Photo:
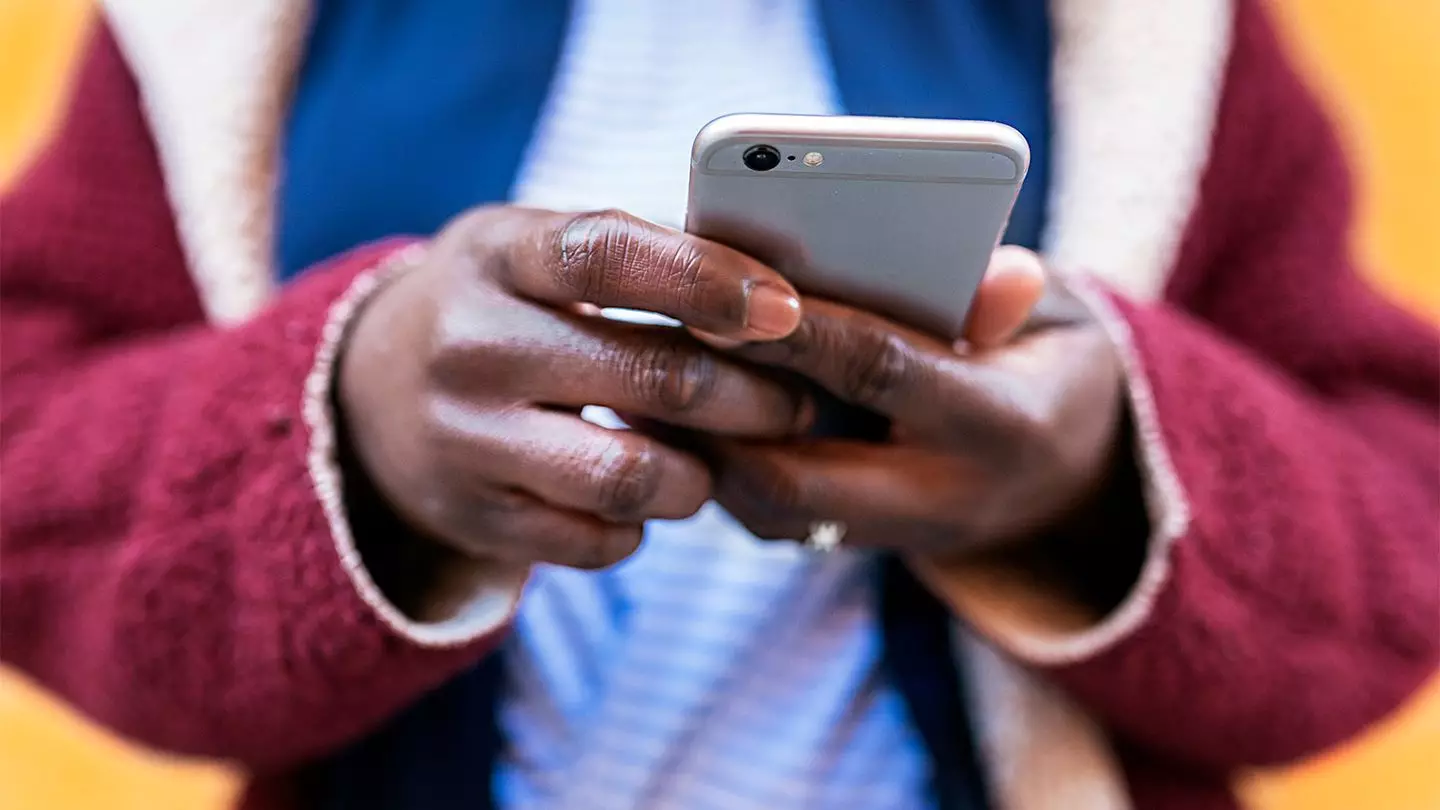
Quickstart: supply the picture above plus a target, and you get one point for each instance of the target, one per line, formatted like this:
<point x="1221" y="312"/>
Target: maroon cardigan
<point x="168" y="569"/>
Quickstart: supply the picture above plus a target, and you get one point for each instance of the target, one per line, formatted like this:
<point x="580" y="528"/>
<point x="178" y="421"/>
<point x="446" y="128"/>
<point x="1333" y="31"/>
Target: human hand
<point x="993" y="441"/>
<point x="461" y="382"/>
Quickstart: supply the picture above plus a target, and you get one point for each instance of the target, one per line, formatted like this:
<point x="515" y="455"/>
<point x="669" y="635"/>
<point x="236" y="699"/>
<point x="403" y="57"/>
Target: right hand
<point x="461" y="382"/>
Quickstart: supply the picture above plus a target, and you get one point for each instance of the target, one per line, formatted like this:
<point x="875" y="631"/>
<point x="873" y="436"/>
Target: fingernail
<point x="772" y="311"/>
<point x="1011" y="260"/>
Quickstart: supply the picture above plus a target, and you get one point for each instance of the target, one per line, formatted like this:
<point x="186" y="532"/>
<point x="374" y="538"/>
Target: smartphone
<point x="897" y="216"/>
<point x="894" y="215"/>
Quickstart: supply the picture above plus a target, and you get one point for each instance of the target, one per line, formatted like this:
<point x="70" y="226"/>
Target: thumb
<point x="1012" y="286"/>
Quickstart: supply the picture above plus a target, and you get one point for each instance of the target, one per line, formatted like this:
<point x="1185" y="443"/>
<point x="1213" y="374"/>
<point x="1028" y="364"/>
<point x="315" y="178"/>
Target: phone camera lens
<point x="761" y="158"/>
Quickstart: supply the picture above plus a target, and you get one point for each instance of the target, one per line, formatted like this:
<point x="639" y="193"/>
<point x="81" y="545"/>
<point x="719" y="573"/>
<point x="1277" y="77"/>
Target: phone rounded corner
<point x="715" y="134"/>
<point x="1013" y="144"/>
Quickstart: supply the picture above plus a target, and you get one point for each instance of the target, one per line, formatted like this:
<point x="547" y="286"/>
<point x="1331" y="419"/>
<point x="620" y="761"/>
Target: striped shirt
<point x="710" y="670"/>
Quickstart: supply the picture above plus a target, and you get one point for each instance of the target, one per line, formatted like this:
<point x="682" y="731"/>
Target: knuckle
<point x="681" y="263"/>
<point x="687" y="268"/>
<point x="477" y="222"/>
<point x="444" y="452"/>
<point x="438" y="436"/>
<point x="686" y="272"/>
<point x="672" y="376"/>
<point x="451" y="493"/>
<point x="486" y="371"/>
<point x="875" y="367"/>
<point x="480" y="341"/>
<point x="590" y="252"/>
<point x="451" y="363"/>
<point x="479" y="239"/>
<point x="626" y="480"/>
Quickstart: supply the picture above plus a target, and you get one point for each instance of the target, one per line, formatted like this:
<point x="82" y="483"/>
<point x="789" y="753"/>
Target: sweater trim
<point x="1136" y="89"/>
<point x="215" y="81"/>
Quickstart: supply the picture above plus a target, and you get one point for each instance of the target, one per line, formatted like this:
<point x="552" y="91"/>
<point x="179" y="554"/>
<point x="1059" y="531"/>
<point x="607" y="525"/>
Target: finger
<point x="612" y="259"/>
<point x="618" y="475"/>
<point x="510" y="526"/>
<point x="779" y="489"/>
<point x="565" y="360"/>
<point x="662" y="373"/>
<point x="1012" y="287"/>
<point x="863" y="359"/>
<point x="981" y="402"/>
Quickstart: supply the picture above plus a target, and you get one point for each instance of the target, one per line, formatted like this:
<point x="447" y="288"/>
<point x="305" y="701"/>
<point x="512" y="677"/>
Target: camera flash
<point x="813" y="159"/>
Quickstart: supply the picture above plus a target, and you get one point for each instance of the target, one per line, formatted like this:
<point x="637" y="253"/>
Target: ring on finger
<point x="825" y="535"/>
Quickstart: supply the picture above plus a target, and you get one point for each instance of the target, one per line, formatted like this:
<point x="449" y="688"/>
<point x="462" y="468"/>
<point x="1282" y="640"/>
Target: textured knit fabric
<point x="168" y="571"/>
<point x="203" y="608"/>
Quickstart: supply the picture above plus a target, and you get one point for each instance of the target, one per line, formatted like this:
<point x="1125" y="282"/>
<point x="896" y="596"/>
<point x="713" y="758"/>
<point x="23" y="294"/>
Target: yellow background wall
<point x="1378" y="62"/>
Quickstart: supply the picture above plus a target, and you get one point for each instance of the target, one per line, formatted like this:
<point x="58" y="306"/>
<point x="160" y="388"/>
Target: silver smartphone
<point x="895" y="215"/>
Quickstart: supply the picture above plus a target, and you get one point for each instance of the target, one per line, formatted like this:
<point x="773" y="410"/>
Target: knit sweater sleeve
<point x="1287" y="422"/>
<point x="178" y="563"/>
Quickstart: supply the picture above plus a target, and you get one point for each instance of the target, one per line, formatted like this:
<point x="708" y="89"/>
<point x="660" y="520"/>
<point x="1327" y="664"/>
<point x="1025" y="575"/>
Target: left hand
<point x="997" y="439"/>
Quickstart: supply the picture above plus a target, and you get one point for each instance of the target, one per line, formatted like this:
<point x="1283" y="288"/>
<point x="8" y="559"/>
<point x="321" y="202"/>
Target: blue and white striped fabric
<point x="710" y="670"/>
